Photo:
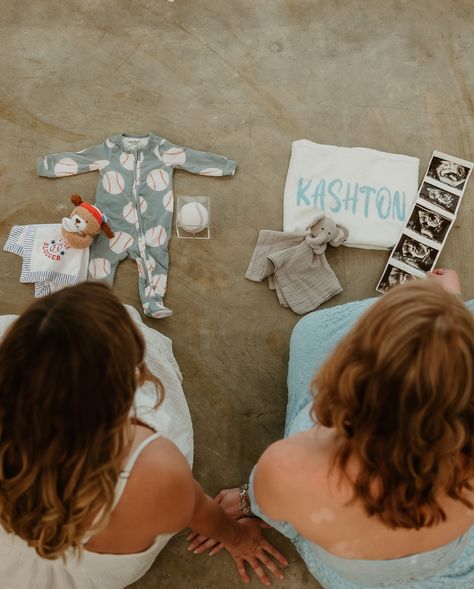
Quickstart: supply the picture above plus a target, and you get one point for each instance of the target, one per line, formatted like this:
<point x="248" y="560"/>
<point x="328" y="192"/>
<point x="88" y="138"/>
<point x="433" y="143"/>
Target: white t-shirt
<point x="370" y="192"/>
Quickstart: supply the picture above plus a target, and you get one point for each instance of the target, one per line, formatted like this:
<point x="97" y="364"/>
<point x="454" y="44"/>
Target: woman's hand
<point x="229" y="500"/>
<point x="448" y="279"/>
<point x="253" y="548"/>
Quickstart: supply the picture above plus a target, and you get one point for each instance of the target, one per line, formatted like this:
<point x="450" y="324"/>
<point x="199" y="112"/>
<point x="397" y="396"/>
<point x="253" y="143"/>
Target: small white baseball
<point x="99" y="165"/>
<point x="174" y="156"/>
<point x="121" y="242"/>
<point x="155" y="236"/>
<point x="66" y="167"/>
<point x="158" y="180"/>
<point x="193" y="217"/>
<point x="99" y="268"/>
<point x="113" y="182"/>
<point x="211" y="172"/>
<point x="127" y="161"/>
<point x="168" y="201"/>
<point x="130" y="212"/>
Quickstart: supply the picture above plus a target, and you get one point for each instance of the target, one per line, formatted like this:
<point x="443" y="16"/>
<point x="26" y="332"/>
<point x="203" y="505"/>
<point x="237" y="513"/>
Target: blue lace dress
<point x="448" y="567"/>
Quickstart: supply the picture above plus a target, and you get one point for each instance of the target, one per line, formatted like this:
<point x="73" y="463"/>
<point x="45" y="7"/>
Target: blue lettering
<point x="367" y="190"/>
<point x="337" y="207"/>
<point x="380" y="201"/>
<point x="319" y="193"/>
<point x="398" y="201"/>
<point x="301" y="195"/>
<point x="354" y="198"/>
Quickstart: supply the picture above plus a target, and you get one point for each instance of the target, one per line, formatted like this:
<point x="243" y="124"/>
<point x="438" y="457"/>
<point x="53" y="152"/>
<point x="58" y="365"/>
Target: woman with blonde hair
<point x="96" y="448"/>
<point x="373" y="482"/>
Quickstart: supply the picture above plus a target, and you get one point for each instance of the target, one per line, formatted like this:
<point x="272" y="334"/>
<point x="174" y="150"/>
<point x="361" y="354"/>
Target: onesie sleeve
<point x="204" y="163"/>
<point x="70" y="163"/>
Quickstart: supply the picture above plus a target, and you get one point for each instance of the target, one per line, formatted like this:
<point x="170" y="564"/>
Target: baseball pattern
<point x="120" y="242"/>
<point x="141" y="269"/>
<point x="168" y="201"/>
<point x="99" y="268"/>
<point x="99" y="165"/>
<point x="66" y="167"/>
<point x="155" y="236"/>
<point x="157" y="286"/>
<point x="130" y="211"/>
<point x="150" y="264"/>
<point x="144" y="179"/>
<point x="127" y="161"/>
<point x="158" y="180"/>
<point x="211" y="172"/>
<point x="113" y="182"/>
<point x="174" y="156"/>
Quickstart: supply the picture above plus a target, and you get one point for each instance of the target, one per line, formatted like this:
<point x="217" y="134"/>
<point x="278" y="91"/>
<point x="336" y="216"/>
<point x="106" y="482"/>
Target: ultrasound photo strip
<point x="431" y="219"/>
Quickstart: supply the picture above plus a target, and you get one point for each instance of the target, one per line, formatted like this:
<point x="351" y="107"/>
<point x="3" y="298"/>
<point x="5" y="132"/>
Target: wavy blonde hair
<point x="69" y="368"/>
<point x="399" y="391"/>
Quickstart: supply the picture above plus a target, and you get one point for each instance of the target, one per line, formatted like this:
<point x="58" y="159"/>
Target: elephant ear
<point x="343" y="234"/>
<point x="314" y="221"/>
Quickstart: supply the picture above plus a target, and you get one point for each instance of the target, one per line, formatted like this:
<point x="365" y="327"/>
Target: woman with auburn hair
<point x="95" y="449"/>
<point x="373" y="482"/>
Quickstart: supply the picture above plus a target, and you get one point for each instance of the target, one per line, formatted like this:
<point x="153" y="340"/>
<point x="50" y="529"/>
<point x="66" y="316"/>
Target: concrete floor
<point x="245" y="79"/>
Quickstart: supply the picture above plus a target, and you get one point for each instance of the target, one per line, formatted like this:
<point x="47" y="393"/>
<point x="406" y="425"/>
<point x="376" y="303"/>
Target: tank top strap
<point x="126" y="472"/>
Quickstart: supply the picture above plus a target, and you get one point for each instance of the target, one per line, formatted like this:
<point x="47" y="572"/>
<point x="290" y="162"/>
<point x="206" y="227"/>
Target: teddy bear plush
<point x="83" y="224"/>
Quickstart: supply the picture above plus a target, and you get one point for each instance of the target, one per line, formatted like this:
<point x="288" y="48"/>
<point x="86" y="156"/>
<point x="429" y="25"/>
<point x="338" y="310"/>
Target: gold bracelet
<point x="244" y="504"/>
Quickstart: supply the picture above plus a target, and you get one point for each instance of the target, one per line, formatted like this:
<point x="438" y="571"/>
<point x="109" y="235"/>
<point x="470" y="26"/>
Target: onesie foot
<point x="156" y="310"/>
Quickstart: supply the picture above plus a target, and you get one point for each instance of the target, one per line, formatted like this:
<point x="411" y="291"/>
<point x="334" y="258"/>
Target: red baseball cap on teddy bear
<point x="93" y="210"/>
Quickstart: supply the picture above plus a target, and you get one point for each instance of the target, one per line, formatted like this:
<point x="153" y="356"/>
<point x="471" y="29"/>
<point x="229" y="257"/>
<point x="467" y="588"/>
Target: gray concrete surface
<point x="244" y="78"/>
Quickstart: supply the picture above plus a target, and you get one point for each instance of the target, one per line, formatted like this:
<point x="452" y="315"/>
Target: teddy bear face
<point x="81" y="221"/>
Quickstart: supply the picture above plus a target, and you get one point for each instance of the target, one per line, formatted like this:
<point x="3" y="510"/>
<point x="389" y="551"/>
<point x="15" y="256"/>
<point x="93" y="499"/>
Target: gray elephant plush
<point x="325" y="231"/>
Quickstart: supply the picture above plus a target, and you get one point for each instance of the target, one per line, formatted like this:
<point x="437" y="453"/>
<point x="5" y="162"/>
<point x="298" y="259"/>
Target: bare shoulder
<point x="287" y="467"/>
<point x="159" y="498"/>
<point x="161" y="480"/>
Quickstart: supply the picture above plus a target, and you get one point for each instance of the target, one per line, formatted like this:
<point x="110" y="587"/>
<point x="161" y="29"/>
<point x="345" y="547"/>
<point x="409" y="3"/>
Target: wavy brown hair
<point x="69" y="367"/>
<point x="399" y="391"/>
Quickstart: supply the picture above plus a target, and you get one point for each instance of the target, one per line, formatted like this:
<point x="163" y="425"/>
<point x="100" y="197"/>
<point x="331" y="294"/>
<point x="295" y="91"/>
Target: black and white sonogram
<point x="393" y="276"/>
<point x="414" y="253"/>
<point x="448" y="172"/>
<point x="439" y="197"/>
<point x="428" y="223"/>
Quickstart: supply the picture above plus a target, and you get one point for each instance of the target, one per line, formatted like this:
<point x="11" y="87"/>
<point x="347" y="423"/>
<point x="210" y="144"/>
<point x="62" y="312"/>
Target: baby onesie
<point x="135" y="191"/>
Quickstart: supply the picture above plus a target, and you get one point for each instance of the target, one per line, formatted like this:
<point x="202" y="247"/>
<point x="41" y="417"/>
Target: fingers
<point x="263" y="524"/>
<point x="190" y="537"/>
<point x="259" y="571"/>
<point x="201" y="544"/>
<point x="239" y="563"/>
<point x="216" y="549"/>
<point x="206" y="545"/>
<point x="281" y="558"/>
<point x="271" y="566"/>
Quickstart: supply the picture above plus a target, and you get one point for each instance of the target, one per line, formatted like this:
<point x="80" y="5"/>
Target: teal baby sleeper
<point x="135" y="191"/>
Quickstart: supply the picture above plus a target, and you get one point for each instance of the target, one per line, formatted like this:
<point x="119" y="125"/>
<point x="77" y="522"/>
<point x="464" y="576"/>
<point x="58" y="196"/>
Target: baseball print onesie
<point x="135" y="191"/>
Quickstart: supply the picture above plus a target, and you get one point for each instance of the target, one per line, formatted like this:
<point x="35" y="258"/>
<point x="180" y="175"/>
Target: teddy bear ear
<point x="76" y="199"/>
<point x="107" y="230"/>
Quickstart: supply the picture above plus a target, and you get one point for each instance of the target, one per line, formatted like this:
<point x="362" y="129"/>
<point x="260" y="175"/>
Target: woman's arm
<point x="181" y="502"/>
